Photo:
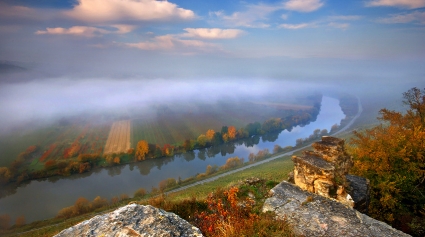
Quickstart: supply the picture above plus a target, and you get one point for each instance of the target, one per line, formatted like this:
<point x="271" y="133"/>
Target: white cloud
<point x="85" y="31"/>
<point x="294" y="26"/>
<point x="410" y="4"/>
<point x="171" y="42"/>
<point x="253" y="17"/>
<point x="127" y="10"/>
<point x="416" y="16"/>
<point x="342" y="26"/>
<point x="212" y="33"/>
<point x="303" y="5"/>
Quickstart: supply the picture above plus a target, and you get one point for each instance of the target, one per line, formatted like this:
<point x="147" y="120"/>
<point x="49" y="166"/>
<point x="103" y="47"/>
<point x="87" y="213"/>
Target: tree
<point x="117" y="160"/>
<point x="224" y="129"/>
<point x="391" y="155"/>
<point x="81" y="206"/>
<point x="316" y="133"/>
<point x="202" y="140"/>
<point x="217" y="139"/>
<point x="98" y="202"/>
<point x="210" y="134"/>
<point x="324" y="132"/>
<point x="299" y="142"/>
<point x="187" y="145"/>
<point x="231" y="132"/>
<point x="415" y="98"/>
<point x="141" y="192"/>
<point x="334" y="128"/>
<point x="253" y="128"/>
<point x="142" y="150"/>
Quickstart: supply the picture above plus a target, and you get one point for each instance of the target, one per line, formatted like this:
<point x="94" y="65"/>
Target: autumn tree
<point x="98" y="202"/>
<point x="232" y="132"/>
<point x="142" y="150"/>
<point x="81" y="206"/>
<point x="210" y="134"/>
<point x="391" y="155"/>
<point x="168" y="150"/>
<point x="117" y="160"/>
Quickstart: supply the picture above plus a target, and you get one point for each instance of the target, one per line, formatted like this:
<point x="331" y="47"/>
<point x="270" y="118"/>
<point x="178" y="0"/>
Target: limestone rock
<point x="313" y="215"/>
<point x="322" y="171"/>
<point x="134" y="220"/>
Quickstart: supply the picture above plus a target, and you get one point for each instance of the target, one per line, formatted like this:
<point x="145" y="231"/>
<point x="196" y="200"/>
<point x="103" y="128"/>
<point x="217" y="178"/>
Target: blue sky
<point x="180" y="38"/>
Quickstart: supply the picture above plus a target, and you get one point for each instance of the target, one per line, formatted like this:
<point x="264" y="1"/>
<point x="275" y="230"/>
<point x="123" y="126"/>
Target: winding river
<point x="42" y="199"/>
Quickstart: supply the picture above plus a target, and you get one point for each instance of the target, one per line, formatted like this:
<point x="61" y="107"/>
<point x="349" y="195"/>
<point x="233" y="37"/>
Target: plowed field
<point x="119" y="138"/>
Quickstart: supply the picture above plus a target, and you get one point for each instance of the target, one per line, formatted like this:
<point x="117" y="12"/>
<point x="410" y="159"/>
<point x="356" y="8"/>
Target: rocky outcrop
<point x="311" y="214"/>
<point x="323" y="171"/>
<point x="134" y="220"/>
<point x="359" y="190"/>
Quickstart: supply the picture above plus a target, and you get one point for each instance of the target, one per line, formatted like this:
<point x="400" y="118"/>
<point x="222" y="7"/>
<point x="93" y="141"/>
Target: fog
<point x="39" y="94"/>
<point x="55" y="98"/>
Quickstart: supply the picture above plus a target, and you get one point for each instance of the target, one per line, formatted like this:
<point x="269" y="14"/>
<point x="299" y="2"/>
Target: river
<point x="42" y="199"/>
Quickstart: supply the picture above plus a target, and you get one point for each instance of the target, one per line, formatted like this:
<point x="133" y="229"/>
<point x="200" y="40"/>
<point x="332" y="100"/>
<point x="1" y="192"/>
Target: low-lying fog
<point x="44" y="99"/>
<point x="56" y="98"/>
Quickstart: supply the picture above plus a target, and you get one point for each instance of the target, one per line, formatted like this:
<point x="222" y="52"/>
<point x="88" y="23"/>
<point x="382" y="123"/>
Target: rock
<point x="360" y="192"/>
<point x="313" y="215"/>
<point x="322" y="171"/>
<point x="134" y="220"/>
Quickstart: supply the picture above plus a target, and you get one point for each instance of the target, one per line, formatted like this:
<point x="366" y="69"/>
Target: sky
<point x="127" y="38"/>
<point x="84" y="54"/>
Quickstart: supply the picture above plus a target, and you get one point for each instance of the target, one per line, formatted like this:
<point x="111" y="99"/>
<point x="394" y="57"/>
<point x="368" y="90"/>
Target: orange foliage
<point x="142" y="150"/>
<point x="233" y="162"/>
<point x="231" y="132"/>
<point x="84" y="167"/>
<point x="225" y="211"/>
<point x="117" y="160"/>
<point x="210" y="134"/>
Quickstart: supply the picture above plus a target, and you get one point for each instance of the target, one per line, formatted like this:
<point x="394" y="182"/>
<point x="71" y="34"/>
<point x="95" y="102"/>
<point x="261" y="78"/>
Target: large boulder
<point x="313" y="215"/>
<point x="134" y="220"/>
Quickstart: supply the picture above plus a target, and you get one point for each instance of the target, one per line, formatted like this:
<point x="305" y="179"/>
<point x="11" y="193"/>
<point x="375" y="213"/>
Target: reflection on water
<point x="44" y="198"/>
